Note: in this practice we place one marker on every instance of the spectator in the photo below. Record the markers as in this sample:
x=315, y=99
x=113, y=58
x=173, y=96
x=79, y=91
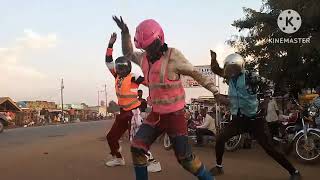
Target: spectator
x=316, y=103
x=59, y=119
x=42, y=115
x=72, y=113
x=272, y=117
x=196, y=120
x=207, y=128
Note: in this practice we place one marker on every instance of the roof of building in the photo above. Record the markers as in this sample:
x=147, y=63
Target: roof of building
x=7, y=104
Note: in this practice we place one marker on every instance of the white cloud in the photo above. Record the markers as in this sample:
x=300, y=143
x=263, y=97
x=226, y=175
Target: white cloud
x=15, y=72
x=36, y=41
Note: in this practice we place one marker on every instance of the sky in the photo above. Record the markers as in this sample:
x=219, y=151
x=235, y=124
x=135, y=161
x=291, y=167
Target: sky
x=43, y=41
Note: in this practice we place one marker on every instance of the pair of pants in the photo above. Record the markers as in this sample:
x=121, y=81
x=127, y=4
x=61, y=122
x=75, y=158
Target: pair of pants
x=175, y=125
x=200, y=132
x=274, y=128
x=121, y=124
x=241, y=124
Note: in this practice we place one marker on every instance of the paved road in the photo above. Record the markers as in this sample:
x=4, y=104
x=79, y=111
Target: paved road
x=77, y=152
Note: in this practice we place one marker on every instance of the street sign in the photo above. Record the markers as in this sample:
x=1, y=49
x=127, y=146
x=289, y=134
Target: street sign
x=189, y=82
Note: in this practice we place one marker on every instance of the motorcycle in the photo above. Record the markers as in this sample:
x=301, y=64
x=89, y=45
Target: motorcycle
x=304, y=140
x=232, y=144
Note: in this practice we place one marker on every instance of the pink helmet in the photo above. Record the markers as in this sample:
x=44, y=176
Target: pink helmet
x=146, y=32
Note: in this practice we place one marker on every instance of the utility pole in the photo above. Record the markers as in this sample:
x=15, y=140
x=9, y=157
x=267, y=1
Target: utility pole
x=62, y=87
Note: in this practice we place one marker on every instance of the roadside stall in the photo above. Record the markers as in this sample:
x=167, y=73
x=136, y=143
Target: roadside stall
x=8, y=111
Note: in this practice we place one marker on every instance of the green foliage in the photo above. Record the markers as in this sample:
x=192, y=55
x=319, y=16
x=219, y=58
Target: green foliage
x=294, y=66
x=113, y=107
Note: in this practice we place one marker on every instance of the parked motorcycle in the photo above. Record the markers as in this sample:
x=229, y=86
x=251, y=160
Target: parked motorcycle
x=232, y=144
x=304, y=140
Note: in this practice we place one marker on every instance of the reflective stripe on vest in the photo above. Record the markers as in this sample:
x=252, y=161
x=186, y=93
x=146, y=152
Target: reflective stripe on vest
x=126, y=96
x=165, y=86
x=166, y=95
x=124, y=106
x=126, y=92
x=164, y=67
x=168, y=101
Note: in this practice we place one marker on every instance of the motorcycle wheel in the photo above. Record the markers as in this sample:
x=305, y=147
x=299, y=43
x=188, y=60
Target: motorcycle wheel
x=308, y=151
x=234, y=143
x=166, y=142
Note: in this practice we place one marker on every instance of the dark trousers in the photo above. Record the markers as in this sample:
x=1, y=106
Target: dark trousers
x=200, y=132
x=119, y=127
x=274, y=128
x=241, y=124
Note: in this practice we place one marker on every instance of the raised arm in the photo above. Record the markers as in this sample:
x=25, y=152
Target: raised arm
x=215, y=68
x=184, y=67
x=137, y=77
x=108, y=57
x=127, y=48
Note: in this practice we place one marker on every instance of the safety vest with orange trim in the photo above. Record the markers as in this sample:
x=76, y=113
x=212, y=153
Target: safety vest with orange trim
x=127, y=93
x=166, y=96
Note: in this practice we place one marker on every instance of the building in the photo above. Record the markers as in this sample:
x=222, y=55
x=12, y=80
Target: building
x=10, y=108
x=99, y=110
x=73, y=106
x=37, y=105
x=8, y=105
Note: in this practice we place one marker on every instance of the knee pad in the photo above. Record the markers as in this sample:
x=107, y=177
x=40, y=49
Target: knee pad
x=181, y=147
x=146, y=133
x=139, y=156
x=184, y=155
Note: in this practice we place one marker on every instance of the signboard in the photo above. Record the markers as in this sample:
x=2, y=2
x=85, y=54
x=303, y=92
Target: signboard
x=189, y=82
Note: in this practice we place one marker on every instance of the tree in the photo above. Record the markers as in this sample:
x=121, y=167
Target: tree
x=113, y=107
x=294, y=66
x=84, y=105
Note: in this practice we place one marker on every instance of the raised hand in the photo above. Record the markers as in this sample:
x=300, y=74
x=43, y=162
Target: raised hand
x=214, y=61
x=215, y=65
x=113, y=38
x=123, y=26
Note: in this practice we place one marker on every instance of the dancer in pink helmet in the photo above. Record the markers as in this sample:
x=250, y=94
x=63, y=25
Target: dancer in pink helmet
x=162, y=67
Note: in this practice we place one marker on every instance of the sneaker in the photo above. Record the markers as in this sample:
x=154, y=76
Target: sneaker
x=295, y=176
x=154, y=166
x=216, y=171
x=115, y=162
